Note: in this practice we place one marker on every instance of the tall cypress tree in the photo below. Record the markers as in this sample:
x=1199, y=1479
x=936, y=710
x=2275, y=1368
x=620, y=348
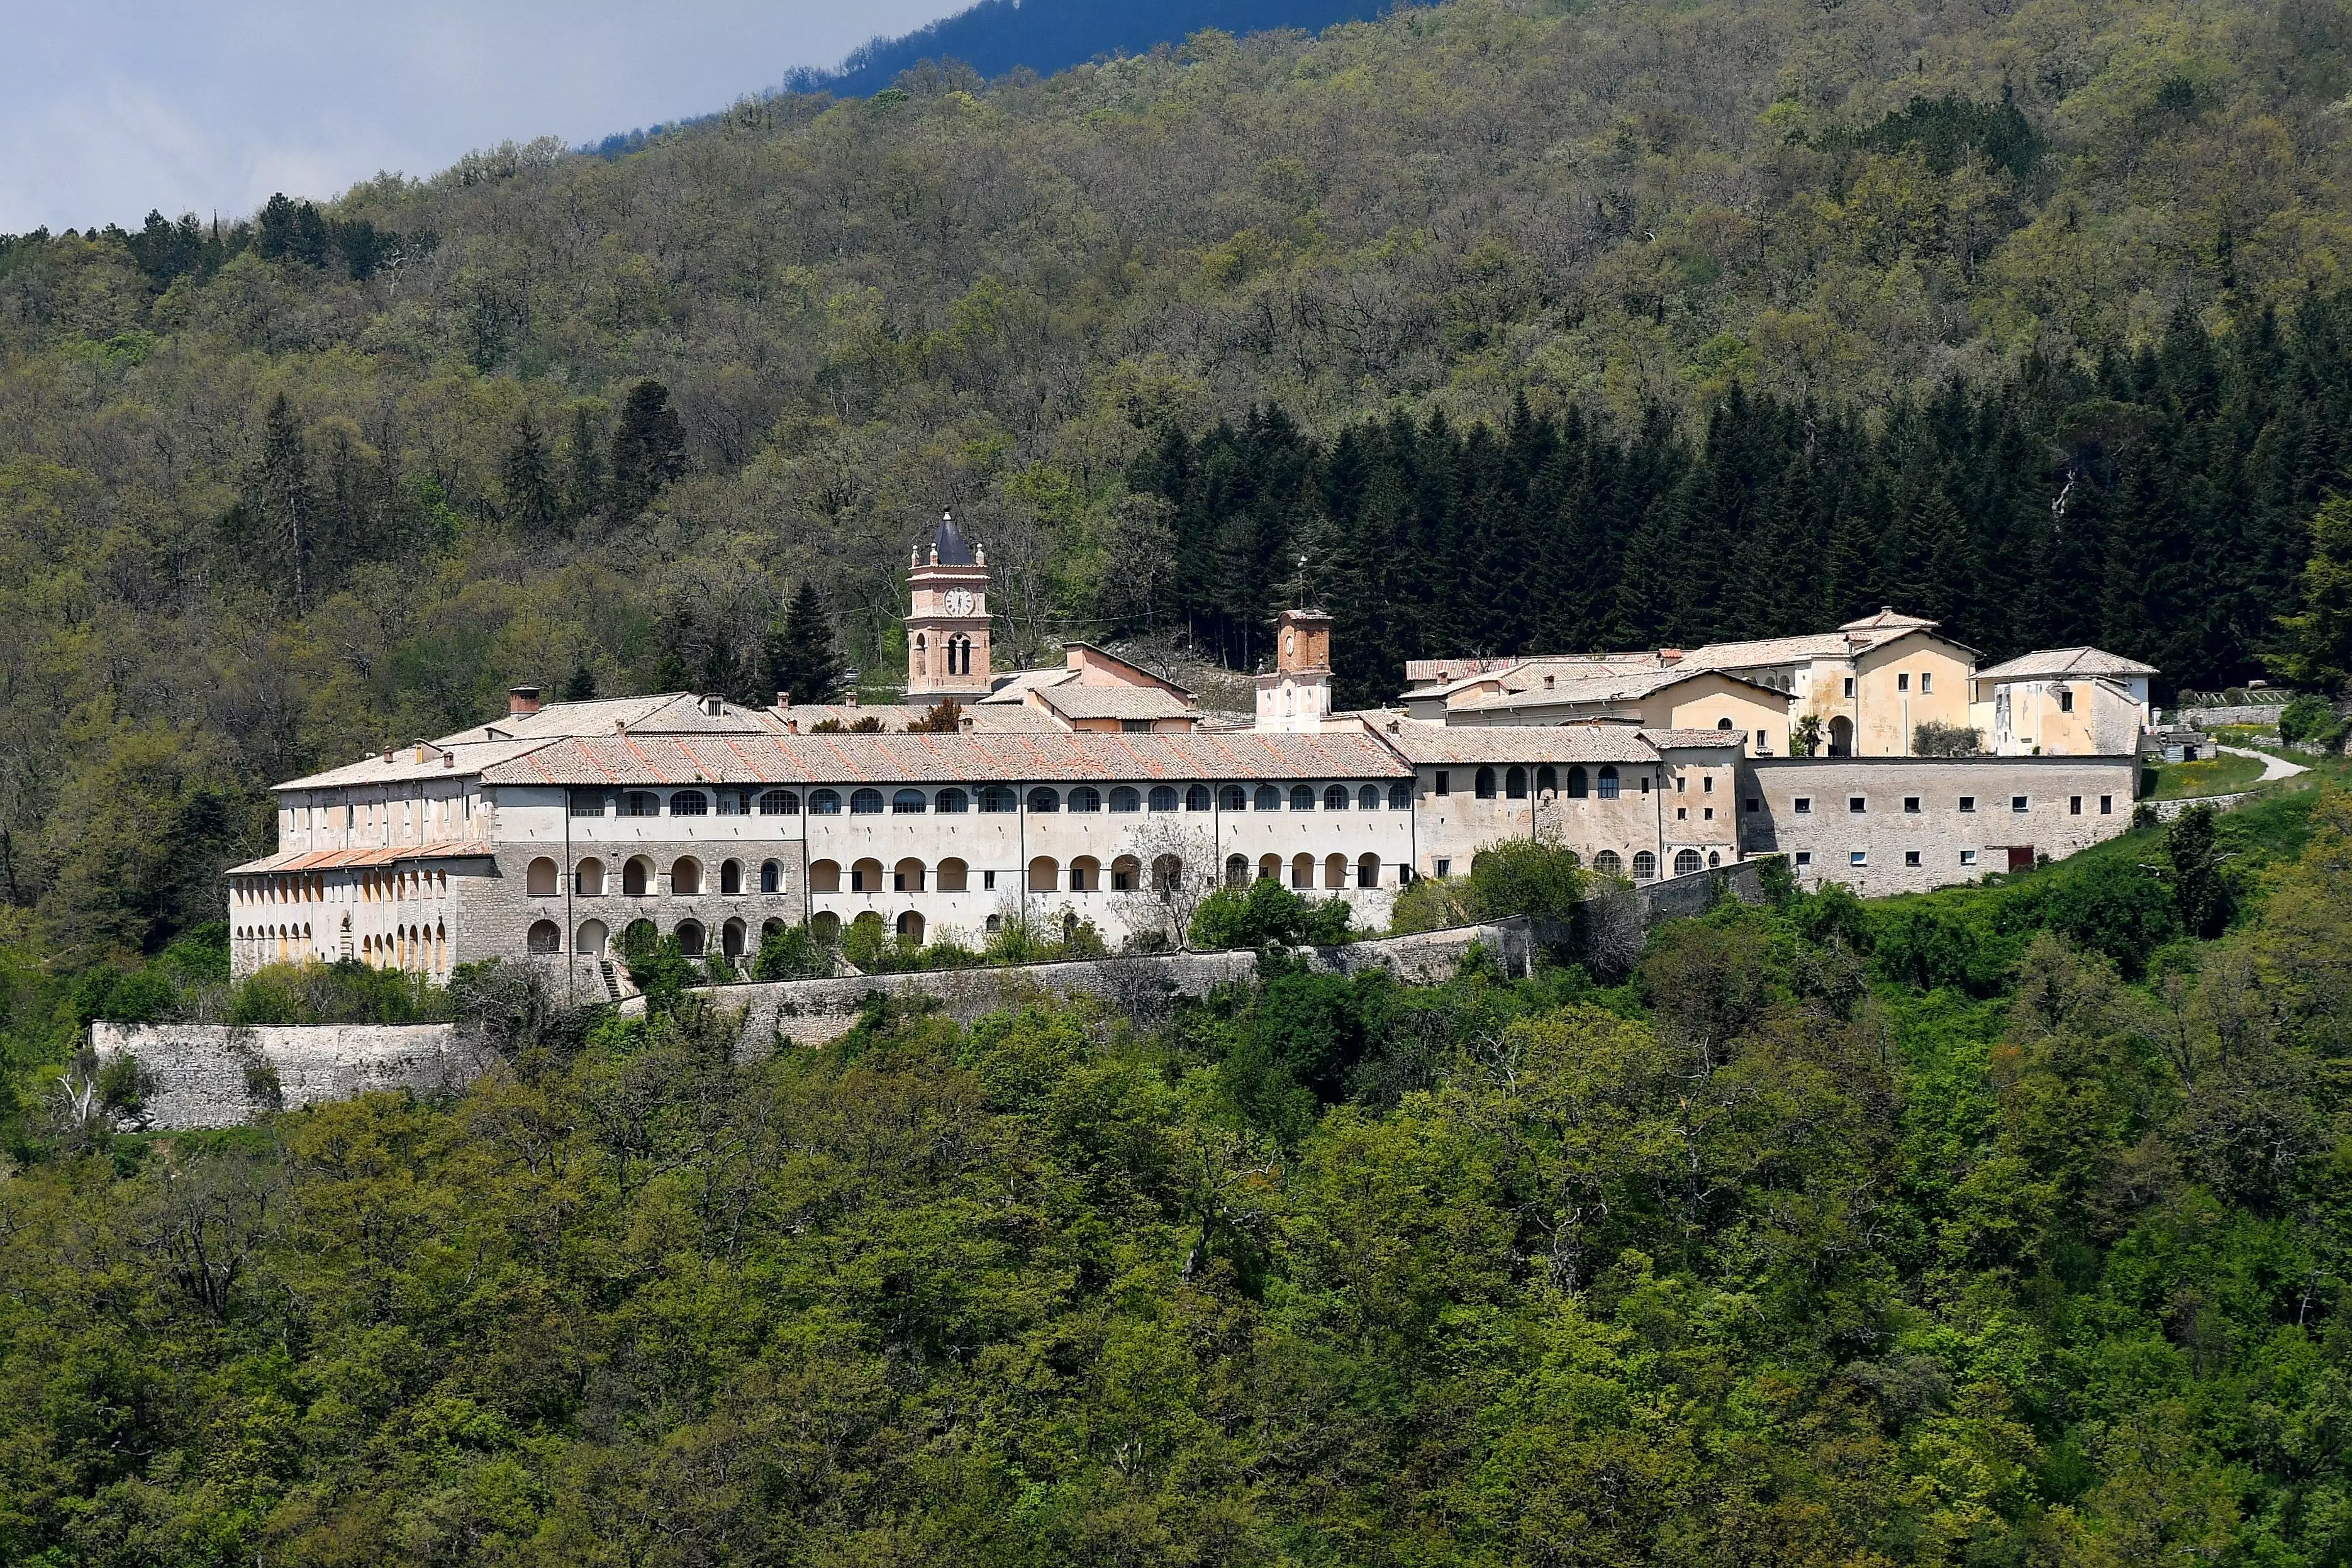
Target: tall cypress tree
x=800, y=658
x=649, y=449
x=283, y=503
x=530, y=486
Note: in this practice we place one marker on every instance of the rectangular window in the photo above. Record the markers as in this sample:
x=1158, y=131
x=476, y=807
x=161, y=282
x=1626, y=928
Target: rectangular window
x=1802, y=805
x=2018, y=803
x=1707, y=785
x=1926, y=683
x=1968, y=857
x=1445, y=783
x=1968, y=803
x=1759, y=742
x=2073, y=805
x=988, y=880
x=2106, y=805
x=856, y=879
x=1442, y=866
x=1804, y=859
x=1910, y=857
x=1645, y=783
x=1910, y=805
x=1709, y=815
x=1857, y=805
x=1902, y=682
x=1849, y=685
x=1682, y=813
x=1857, y=857
x=2065, y=699
x=1682, y=785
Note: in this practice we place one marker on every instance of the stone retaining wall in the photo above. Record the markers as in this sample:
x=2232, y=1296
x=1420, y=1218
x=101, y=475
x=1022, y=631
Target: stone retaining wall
x=218, y=1075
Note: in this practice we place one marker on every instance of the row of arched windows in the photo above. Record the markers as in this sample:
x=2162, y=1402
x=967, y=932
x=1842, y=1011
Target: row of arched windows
x=594, y=938
x=992, y=798
x=425, y=948
x=951, y=875
x=640, y=878
x=1514, y=782
x=1337, y=873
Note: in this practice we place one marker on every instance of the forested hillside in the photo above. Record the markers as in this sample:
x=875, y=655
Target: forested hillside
x=1767, y=1255
x=2030, y=314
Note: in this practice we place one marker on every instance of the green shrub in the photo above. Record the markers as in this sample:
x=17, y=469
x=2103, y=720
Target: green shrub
x=1428, y=903
x=2308, y=720
x=1525, y=876
x=1267, y=914
x=794, y=953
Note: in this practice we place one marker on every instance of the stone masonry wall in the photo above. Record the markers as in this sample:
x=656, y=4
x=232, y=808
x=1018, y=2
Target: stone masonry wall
x=219, y=1075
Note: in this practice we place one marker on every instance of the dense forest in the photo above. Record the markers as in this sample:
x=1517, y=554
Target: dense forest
x=1499, y=325
x=1762, y=1251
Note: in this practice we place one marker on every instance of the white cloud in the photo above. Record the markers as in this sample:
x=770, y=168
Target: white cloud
x=114, y=107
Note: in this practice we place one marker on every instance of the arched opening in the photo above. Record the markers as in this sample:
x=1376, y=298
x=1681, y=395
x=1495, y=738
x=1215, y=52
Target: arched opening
x=1335, y=797
x=1167, y=874
x=1841, y=736
x=1368, y=871
x=953, y=803
x=825, y=876
x=910, y=803
x=1515, y=784
x=1125, y=872
x=544, y=937
x=954, y=875
x=730, y=878
x=866, y=875
x=1124, y=798
x=910, y=927
x=825, y=803
x=1086, y=875
x=1269, y=798
x=907, y=876
x=1163, y=797
x=686, y=878
x=1399, y=797
x=1368, y=799
x=588, y=878
x=638, y=936
x=922, y=656
x=1086, y=797
x=689, y=803
x=592, y=937
x=1042, y=800
x=1302, y=873
x=1485, y=784
x=541, y=878
x=1608, y=864
x=866, y=803
x=731, y=937
x=1609, y=783
x=1196, y=797
x=1714, y=860
x=1646, y=865
x=1685, y=862
x=1237, y=872
x=997, y=798
x=1045, y=874
x=1547, y=781
x=780, y=803
x=689, y=939
x=826, y=924
x=1302, y=798
x=1269, y=868
x=770, y=929
x=1723, y=724
x=1335, y=871
x=1578, y=785
x=771, y=877
x=636, y=877
x=641, y=803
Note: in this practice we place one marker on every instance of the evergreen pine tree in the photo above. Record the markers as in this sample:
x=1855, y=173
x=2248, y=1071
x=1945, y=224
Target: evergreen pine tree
x=1933, y=576
x=579, y=686
x=800, y=658
x=649, y=449
x=283, y=504
x=530, y=486
x=583, y=478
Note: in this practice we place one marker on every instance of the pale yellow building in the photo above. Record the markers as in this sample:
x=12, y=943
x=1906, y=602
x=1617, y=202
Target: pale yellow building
x=2063, y=702
x=1667, y=699
x=1872, y=683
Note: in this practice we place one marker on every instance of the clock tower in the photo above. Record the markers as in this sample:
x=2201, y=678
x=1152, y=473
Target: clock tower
x=947, y=630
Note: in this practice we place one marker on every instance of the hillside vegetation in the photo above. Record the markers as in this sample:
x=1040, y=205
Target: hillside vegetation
x=2032, y=313
x=1769, y=1254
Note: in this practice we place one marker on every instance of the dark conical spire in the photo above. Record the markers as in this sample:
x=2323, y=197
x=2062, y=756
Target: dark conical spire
x=947, y=548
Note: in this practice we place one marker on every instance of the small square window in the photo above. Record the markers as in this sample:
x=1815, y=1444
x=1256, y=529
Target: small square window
x=1442, y=866
x=1856, y=804
x=1708, y=814
x=2018, y=803
x=2073, y=805
x=1802, y=805
x=1910, y=857
x=1804, y=859
x=1968, y=857
x=1858, y=857
x=1902, y=682
x=1754, y=804
x=1682, y=813
x=1910, y=805
x=2106, y=805
x=1967, y=802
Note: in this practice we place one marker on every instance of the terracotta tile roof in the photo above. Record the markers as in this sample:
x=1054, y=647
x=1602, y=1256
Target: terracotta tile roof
x=2044, y=663
x=945, y=759
x=347, y=860
x=1076, y=701
x=1421, y=742
x=469, y=759
x=1683, y=739
x=1617, y=686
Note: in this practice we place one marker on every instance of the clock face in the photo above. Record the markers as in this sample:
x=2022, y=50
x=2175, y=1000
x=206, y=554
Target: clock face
x=959, y=601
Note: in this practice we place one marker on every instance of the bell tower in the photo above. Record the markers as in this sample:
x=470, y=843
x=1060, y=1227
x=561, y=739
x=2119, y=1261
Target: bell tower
x=947, y=628
x=1296, y=697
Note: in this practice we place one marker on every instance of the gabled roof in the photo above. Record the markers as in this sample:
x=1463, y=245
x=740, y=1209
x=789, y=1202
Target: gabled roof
x=464, y=760
x=1694, y=739
x=626, y=761
x=1421, y=742
x=2052, y=663
x=1888, y=620
x=350, y=860
x=1617, y=686
x=1075, y=700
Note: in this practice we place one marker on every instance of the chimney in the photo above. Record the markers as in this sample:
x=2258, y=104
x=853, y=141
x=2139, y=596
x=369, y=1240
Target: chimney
x=448, y=759
x=783, y=699
x=851, y=700
x=1670, y=657
x=387, y=753
x=791, y=727
x=523, y=699
x=966, y=724
x=714, y=706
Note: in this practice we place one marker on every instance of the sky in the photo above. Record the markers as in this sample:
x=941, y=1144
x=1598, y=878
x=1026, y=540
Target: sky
x=109, y=108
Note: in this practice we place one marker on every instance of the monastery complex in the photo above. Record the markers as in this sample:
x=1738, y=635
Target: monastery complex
x=1097, y=790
